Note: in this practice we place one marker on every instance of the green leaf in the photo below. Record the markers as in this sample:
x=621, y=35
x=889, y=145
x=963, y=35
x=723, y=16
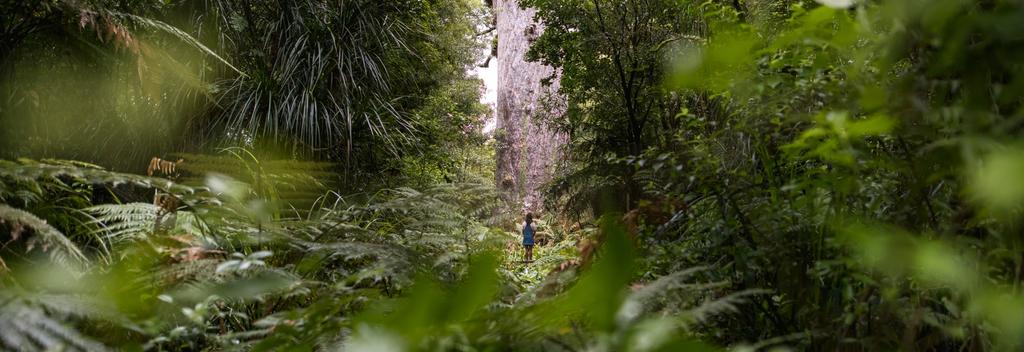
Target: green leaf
x=874, y=125
x=996, y=183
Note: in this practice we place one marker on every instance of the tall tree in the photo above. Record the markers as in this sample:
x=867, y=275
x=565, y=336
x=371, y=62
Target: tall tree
x=527, y=99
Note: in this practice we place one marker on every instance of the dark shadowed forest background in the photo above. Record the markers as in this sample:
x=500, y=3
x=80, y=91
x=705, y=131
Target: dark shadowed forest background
x=316, y=175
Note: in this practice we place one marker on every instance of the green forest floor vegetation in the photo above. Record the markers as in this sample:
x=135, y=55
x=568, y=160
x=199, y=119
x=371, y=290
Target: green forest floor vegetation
x=229, y=268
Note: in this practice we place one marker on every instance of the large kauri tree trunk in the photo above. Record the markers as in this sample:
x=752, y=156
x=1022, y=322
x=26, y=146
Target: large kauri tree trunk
x=527, y=149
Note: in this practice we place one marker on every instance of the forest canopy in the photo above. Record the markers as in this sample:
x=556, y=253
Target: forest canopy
x=738, y=175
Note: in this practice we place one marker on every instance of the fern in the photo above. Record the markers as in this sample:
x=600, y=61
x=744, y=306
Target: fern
x=25, y=325
x=342, y=250
x=124, y=222
x=672, y=294
x=60, y=249
x=726, y=304
x=34, y=176
x=202, y=270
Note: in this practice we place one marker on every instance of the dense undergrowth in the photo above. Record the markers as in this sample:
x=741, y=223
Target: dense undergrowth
x=860, y=160
x=230, y=267
x=744, y=175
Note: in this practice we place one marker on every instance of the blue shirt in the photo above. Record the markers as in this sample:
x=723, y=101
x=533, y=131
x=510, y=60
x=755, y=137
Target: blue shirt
x=527, y=235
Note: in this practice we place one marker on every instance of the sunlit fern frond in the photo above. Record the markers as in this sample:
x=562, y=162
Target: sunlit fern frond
x=124, y=222
x=48, y=239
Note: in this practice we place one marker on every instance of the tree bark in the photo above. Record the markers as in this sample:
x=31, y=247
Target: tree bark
x=527, y=148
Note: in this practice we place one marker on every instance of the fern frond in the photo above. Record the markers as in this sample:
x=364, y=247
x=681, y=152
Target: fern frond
x=31, y=173
x=27, y=327
x=187, y=271
x=60, y=249
x=121, y=222
x=727, y=304
x=665, y=284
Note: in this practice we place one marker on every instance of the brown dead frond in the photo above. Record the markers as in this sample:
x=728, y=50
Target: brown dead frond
x=108, y=30
x=165, y=167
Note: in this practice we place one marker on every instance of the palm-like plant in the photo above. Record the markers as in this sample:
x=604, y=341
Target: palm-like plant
x=319, y=73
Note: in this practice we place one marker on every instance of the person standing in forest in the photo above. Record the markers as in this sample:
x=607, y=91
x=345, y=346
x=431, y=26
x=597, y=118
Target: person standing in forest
x=528, y=237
